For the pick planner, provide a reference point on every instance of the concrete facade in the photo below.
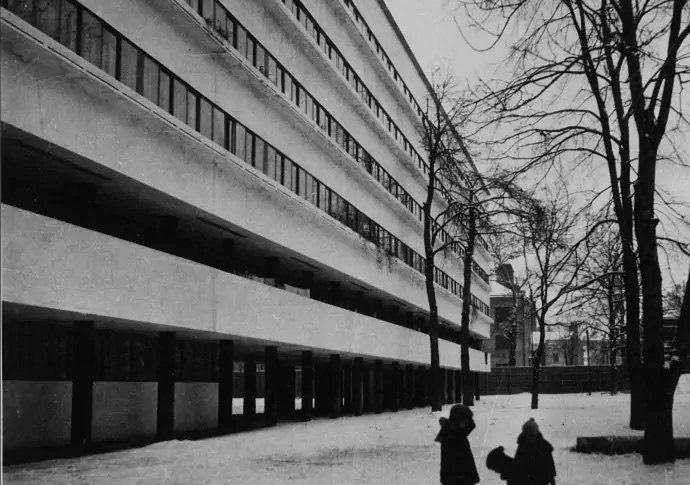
(174, 202)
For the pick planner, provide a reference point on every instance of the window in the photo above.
(272, 71)
(192, 107)
(240, 134)
(260, 59)
(219, 128)
(251, 47)
(249, 147)
(312, 190)
(164, 91)
(287, 173)
(241, 39)
(207, 9)
(109, 53)
(179, 100)
(302, 183)
(324, 198)
(270, 164)
(91, 38)
(259, 154)
(205, 118)
(150, 80)
(48, 20)
(128, 64)
(24, 9)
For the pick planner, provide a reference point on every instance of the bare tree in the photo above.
(552, 258)
(602, 302)
(442, 145)
(600, 83)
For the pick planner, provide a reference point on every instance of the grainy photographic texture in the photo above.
(345, 242)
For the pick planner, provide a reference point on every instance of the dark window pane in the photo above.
(260, 59)
(287, 88)
(295, 178)
(180, 100)
(272, 70)
(219, 127)
(164, 91)
(91, 38)
(241, 39)
(270, 165)
(239, 140)
(207, 9)
(312, 190)
(23, 9)
(287, 172)
(324, 198)
(191, 109)
(220, 22)
(150, 79)
(48, 20)
(68, 25)
(205, 118)
(109, 54)
(249, 147)
(302, 184)
(249, 53)
(259, 154)
(128, 64)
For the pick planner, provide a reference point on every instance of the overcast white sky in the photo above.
(430, 30)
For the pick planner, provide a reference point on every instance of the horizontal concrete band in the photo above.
(56, 265)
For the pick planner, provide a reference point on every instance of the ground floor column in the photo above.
(357, 387)
(271, 381)
(335, 385)
(378, 386)
(226, 358)
(286, 386)
(410, 384)
(249, 401)
(395, 386)
(82, 383)
(166, 385)
(476, 386)
(457, 375)
(307, 385)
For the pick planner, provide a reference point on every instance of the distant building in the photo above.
(502, 304)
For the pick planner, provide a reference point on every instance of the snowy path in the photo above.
(376, 449)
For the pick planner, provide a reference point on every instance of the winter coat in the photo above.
(534, 463)
(457, 461)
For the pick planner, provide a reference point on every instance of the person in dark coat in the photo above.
(534, 457)
(502, 464)
(457, 461)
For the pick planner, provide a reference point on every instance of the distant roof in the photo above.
(497, 289)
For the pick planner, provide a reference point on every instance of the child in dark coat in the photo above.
(533, 463)
(457, 461)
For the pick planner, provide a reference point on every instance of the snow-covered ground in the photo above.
(381, 449)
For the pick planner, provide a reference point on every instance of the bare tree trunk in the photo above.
(536, 364)
(632, 341)
(660, 382)
(434, 395)
(467, 378)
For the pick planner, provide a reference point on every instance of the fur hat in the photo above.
(458, 412)
(530, 427)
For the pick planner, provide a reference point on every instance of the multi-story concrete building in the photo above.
(190, 185)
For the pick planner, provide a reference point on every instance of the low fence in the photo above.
(553, 380)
